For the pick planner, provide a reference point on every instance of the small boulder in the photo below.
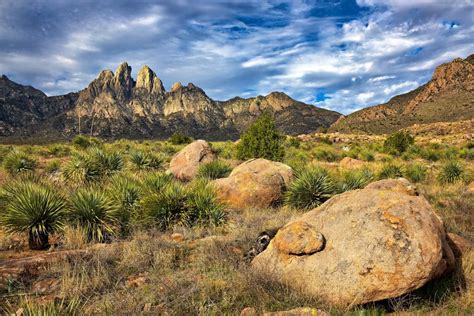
(351, 163)
(256, 183)
(185, 164)
(379, 242)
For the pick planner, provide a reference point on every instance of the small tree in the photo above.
(398, 142)
(179, 139)
(262, 140)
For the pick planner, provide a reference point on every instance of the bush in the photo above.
(451, 171)
(214, 170)
(81, 141)
(390, 170)
(126, 193)
(293, 142)
(353, 180)
(179, 139)
(142, 160)
(52, 166)
(415, 172)
(261, 140)
(398, 142)
(16, 162)
(203, 207)
(92, 166)
(155, 182)
(326, 154)
(34, 209)
(366, 155)
(94, 212)
(58, 150)
(310, 188)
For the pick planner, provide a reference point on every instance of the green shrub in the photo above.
(398, 142)
(144, 160)
(451, 171)
(293, 142)
(95, 213)
(325, 140)
(467, 153)
(366, 155)
(81, 141)
(155, 182)
(58, 150)
(16, 162)
(179, 139)
(92, 166)
(203, 207)
(415, 172)
(310, 188)
(261, 140)
(390, 170)
(430, 154)
(326, 154)
(126, 193)
(34, 209)
(53, 166)
(352, 180)
(214, 170)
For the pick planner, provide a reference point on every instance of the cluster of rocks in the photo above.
(361, 246)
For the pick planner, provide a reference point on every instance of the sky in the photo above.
(341, 55)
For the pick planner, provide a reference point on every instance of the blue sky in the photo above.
(341, 55)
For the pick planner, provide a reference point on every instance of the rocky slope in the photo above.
(448, 96)
(115, 105)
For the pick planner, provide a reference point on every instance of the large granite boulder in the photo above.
(185, 164)
(256, 183)
(361, 246)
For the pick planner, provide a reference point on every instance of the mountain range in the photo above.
(114, 105)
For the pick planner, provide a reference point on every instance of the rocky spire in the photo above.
(148, 80)
(123, 81)
(176, 86)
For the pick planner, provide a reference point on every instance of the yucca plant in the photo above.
(81, 168)
(166, 207)
(95, 213)
(144, 160)
(203, 207)
(214, 170)
(154, 182)
(109, 162)
(34, 209)
(390, 170)
(310, 189)
(415, 172)
(17, 162)
(353, 180)
(451, 171)
(126, 193)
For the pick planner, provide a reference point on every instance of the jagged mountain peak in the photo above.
(148, 80)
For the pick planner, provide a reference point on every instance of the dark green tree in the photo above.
(398, 142)
(262, 140)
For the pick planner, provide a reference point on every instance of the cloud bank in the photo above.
(341, 55)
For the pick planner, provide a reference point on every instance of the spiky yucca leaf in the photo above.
(16, 162)
(415, 172)
(95, 212)
(154, 182)
(144, 160)
(203, 207)
(310, 189)
(32, 208)
(126, 193)
(390, 170)
(214, 170)
(353, 180)
(451, 171)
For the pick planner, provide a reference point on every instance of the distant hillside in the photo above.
(114, 105)
(448, 96)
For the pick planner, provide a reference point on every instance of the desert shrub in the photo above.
(415, 172)
(166, 207)
(83, 142)
(451, 171)
(179, 139)
(390, 170)
(214, 170)
(17, 162)
(32, 208)
(126, 193)
(155, 182)
(398, 142)
(296, 158)
(467, 153)
(4, 151)
(145, 160)
(293, 142)
(52, 166)
(430, 154)
(325, 154)
(352, 180)
(261, 140)
(92, 165)
(310, 188)
(203, 207)
(366, 155)
(95, 212)
(58, 150)
(225, 150)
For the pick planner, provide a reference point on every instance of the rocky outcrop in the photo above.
(114, 106)
(379, 243)
(447, 97)
(256, 183)
(185, 164)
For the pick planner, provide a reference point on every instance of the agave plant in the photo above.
(95, 213)
(17, 162)
(450, 172)
(166, 207)
(214, 170)
(32, 208)
(144, 160)
(310, 188)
